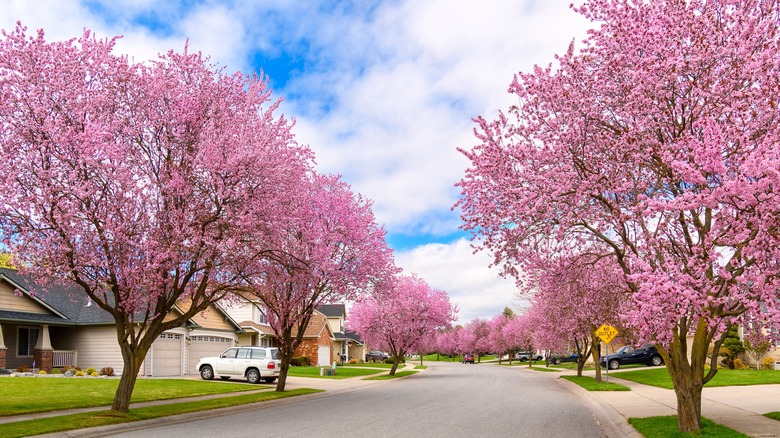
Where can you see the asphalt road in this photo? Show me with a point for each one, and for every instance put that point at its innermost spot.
(447, 400)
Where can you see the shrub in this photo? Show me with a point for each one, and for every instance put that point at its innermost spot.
(55, 371)
(388, 360)
(79, 374)
(90, 370)
(766, 363)
(300, 361)
(23, 369)
(107, 371)
(42, 372)
(739, 365)
(353, 361)
(94, 374)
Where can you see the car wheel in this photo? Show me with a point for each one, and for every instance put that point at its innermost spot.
(252, 376)
(614, 364)
(269, 379)
(656, 360)
(538, 358)
(556, 362)
(206, 373)
(224, 377)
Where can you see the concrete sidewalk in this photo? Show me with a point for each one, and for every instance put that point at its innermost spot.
(738, 407)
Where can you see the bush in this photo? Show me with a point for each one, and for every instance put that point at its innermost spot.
(389, 361)
(42, 372)
(353, 361)
(23, 369)
(304, 361)
(94, 374)
(90, 371)
(79, 374)
(767, 363)
(55, 371)
(739, 365)
(106, 371)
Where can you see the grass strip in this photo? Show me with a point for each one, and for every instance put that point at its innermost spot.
(773, 415)
(341, 372)
(590, 384)
(367, 365)
(666, 427)
(388, 377)
(21, 395)
(421, 367)
(546, 369)
(108, 417)
(725, 377)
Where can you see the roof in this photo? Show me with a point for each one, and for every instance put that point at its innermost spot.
(260, 328)
(332, 310)
(351, 336)
(69, 305)
(317, 323)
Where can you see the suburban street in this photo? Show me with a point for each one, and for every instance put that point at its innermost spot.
(448, 399)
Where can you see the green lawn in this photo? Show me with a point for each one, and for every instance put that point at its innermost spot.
(388, 377)
(22, 395)
(660, 377)
(367, 365)
(104, 418)
(341, 372)
(773, 415)
(663, 427)
(590, 384)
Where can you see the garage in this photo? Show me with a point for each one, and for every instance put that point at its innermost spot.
(205, 346)
(323, 355)
(166, 355)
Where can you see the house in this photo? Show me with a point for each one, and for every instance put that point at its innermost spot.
(317, 342)
(62, 327)
(255, 330)
(336, 315)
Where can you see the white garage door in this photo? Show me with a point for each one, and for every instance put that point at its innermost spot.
(205, 346)
(323, 355)
(166, 355)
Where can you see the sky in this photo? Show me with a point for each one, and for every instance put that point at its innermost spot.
(384, 92)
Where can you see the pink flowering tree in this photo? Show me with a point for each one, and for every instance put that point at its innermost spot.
(136, 182)
(401, 315)
(329, 250)
(496, 339)
(518, 332)
(659, 140)
(575, 295)
(448, 341)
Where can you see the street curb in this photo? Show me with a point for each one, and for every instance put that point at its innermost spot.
(612, 422)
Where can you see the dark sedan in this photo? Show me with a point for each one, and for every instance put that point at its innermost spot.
(645, 355)
(564, 358)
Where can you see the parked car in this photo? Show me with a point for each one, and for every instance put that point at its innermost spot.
(646, 354)
(526, 355)
(557, 359)
(252, 363)
(468, 358)
(376, 356)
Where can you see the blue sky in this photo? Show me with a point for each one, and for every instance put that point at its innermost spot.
(382, 91)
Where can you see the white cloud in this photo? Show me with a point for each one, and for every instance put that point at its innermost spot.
(475, 288)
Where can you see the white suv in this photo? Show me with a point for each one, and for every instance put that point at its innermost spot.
(254, 363)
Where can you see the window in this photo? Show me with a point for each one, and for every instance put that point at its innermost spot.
(258, 315)
(230, 353)
(243, 353)
(26, 340)
(258, 353)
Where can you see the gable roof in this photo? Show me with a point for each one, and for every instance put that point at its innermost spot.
(317, 324)
(332, 310)
(69, 305)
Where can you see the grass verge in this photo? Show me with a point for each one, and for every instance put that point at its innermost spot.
(341, 372)
(21, 395)
(590, 384)
(367, 365)
(388, 377)
(652, 427)
(546, 369)
(660, 377)
(105, 418)
(773, 415)
(421, 367)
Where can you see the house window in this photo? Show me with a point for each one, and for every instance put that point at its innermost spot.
(258, 315)
(26, 338)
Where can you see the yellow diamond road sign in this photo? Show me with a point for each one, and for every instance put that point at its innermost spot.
(606, 333)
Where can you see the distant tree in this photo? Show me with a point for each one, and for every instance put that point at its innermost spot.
(329, 250)
(732, 347)
(401, 315)
(658, 139)
(137, 183)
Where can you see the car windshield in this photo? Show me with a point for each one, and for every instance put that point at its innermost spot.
(625, 349)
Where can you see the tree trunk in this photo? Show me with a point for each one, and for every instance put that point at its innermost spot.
(285, 367)
(595, 344)
(132, 365)
(688, 375)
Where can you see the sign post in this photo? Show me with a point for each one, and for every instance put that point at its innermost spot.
(606, 333)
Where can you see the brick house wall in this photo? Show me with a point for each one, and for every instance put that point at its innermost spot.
(310, 346)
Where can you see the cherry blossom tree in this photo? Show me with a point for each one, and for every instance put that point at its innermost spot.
(496, 339)
(518, 332)
(136, 182)
(448, 341)
(575, 295)
(658, 139)
(401, 315)
(329, 250)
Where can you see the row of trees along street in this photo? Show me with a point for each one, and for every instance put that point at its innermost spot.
(152, 183)
(649, 158)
